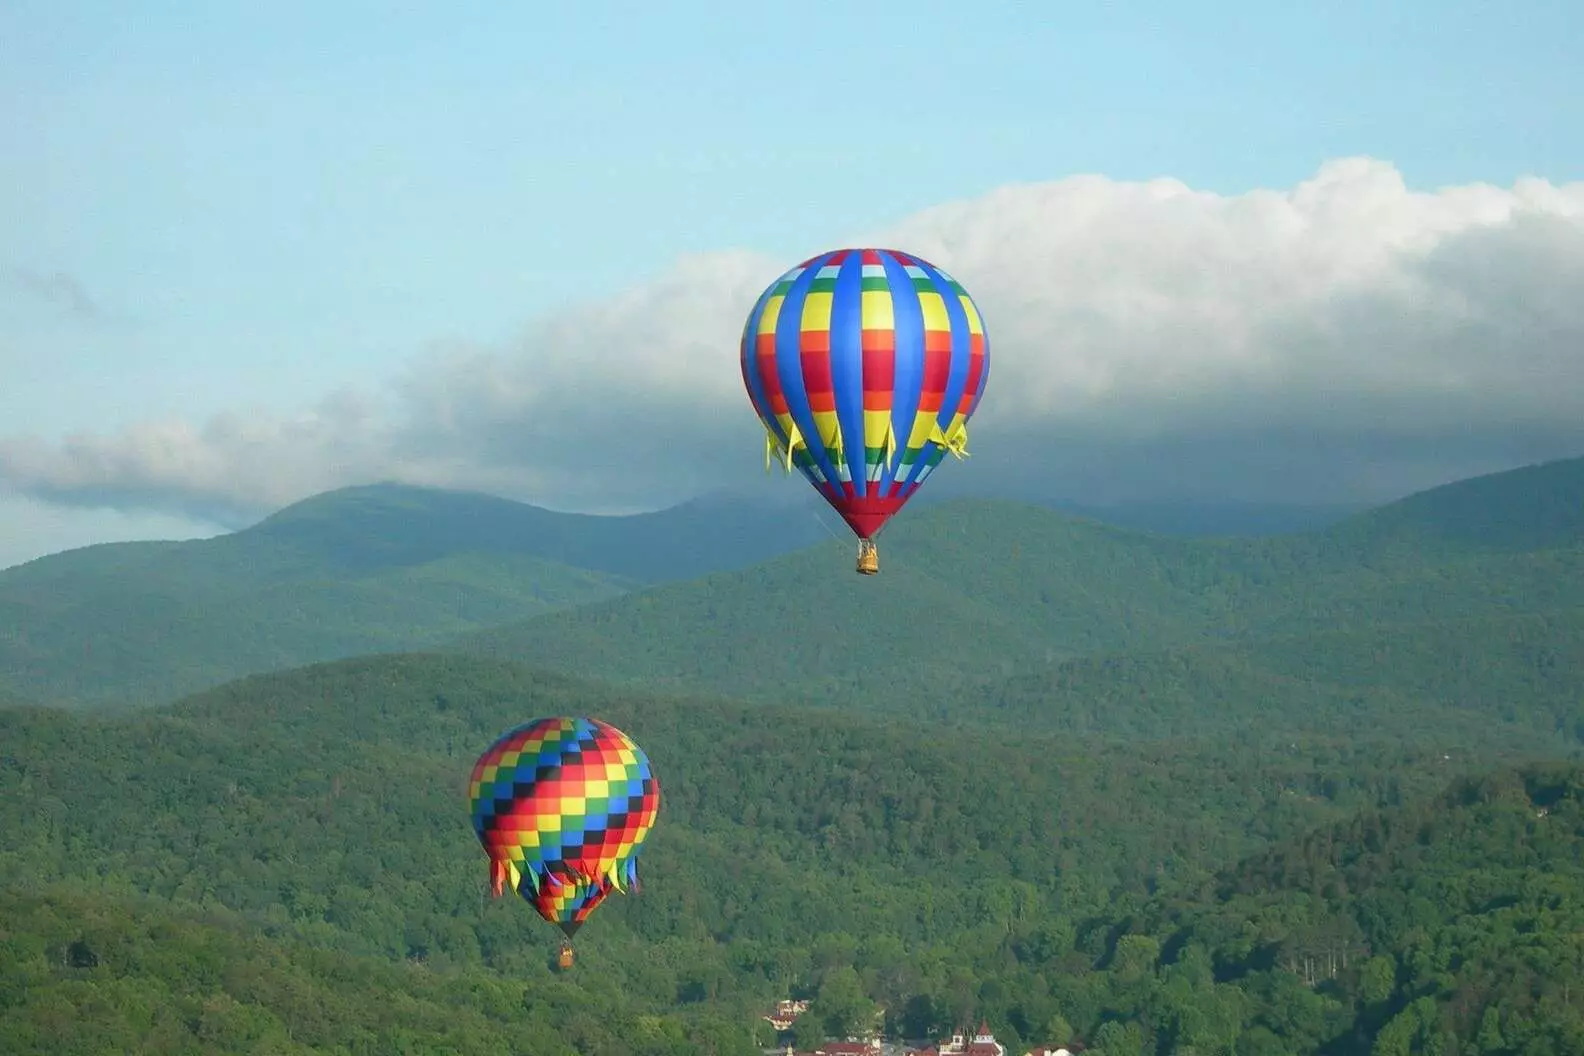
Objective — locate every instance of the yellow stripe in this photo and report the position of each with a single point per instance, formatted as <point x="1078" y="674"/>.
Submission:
<point x="772" y="312"/>
<point x="974" y="324"/>
<point x="817" y="311"/>
<point x="875" y="423"/>
<point x="875" y="310"/>
<point x="934" y="308"/>
<point x="787" y="426"/>
<point x="829" y="428"/>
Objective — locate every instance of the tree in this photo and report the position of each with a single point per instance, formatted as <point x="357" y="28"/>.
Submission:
<point x="843" y="1008"/>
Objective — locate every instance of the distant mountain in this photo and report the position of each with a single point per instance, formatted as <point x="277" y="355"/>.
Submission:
<point x="1212" y="519"/>
<point x="353" y="571"/>
<point x="970" y="591"/>
<point x="1446" y="682"/>
<point x="383" y="525"/>
<point x="755" y="595"/>
<point x="1531" y="508"/>
<point x="964" y="587"/>
<point x="1187" y="518"/>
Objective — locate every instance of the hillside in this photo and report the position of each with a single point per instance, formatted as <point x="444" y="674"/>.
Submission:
<point x="391" y="524"/>
<point x="963" y="587"/>
<point x="973" y="592"/>
<point x="1537" y="507"/>
<point x="1449" y="924"/>
<point x="1454" y="680"/>
<point x="354" y="571"/>
<point x="289" y="854"/>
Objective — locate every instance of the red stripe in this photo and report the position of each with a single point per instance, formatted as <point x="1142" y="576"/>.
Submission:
<point x="814" y="341"/>
<point x="768" y="376"/>
<point x="817" y="375"/>
<point x="937" y="368"/>
<point x="816" y="371"/>
<point x="975" y="372"/>
<point x="871" y="256"/>
<point x="879" y="374"/>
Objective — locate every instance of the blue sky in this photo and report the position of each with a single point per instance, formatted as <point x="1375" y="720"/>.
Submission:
<point x="219" y="206"/>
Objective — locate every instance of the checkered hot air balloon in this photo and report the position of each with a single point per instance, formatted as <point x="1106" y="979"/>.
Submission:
<point x="562" y="807"/>
<point x="864" y="366"/>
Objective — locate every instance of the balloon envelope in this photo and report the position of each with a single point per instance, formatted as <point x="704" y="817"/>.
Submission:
<point x="864" y="366"/>
<point x="562" y="806"/>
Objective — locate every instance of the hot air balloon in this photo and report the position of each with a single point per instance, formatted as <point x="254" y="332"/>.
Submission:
<point x="864" y="366"/>
<point x="562" y="807"/>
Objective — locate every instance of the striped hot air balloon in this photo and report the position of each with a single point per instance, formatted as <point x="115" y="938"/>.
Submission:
<point x="864" y="366"/>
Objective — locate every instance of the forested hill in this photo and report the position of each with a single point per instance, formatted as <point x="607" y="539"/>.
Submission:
<point x="1455" y="680"/>
<point x="388" y="524"/>
<point x="1537" y="507"/>
<point x="1451" y="924"/>
<point x="353" y="571"/>
<point x="285" y="864"/>
<point x="969" y="593"/>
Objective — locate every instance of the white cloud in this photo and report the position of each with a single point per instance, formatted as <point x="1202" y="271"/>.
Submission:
<point x="1346" y="337"/>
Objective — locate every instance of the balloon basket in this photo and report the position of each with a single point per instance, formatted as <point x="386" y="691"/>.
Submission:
<point x="565" y="960"/>
<point x="868" y="558"/>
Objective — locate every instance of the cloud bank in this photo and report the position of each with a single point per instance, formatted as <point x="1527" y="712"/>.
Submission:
<point x="1346" y="338"/>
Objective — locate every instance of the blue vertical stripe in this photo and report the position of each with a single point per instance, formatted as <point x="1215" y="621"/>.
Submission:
<point x="957" y="378"/>
<point x="789" y="364"/>
<point x="909" y="377"/>
<point x="750" y="362"/>
<point x="846" y="343"/>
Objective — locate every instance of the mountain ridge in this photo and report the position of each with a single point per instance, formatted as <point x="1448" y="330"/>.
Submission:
<point x="967" y="586"/>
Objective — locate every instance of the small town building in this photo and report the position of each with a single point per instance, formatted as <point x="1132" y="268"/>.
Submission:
<point x="786" y="1013"/>
<point x="981" y="1043"/>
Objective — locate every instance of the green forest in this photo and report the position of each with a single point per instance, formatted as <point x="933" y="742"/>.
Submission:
<point x="1135" y="794"/>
